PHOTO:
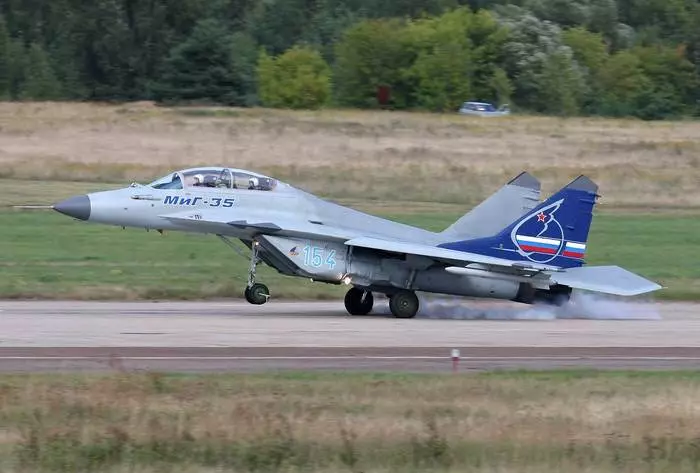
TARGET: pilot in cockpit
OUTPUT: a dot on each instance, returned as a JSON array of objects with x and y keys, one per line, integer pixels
[{"x": 201, "y": 180}]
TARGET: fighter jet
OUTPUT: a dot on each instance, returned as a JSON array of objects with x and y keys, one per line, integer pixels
[{"x": 511, "y": 246}]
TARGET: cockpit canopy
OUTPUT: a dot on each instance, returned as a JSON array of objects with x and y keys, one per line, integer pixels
[{"x": 223, "y": 178}]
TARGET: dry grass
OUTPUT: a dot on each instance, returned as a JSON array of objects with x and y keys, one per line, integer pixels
[
  {"x": 353, "y": 423},
  {"x": 351, "y": 154}
]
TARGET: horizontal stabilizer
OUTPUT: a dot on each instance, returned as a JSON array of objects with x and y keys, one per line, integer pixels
[{"x": 605, "y": 279}]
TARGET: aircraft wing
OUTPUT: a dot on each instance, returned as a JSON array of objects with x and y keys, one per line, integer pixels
[
  {"x": 225, "y": 222},
  {"x": 605, "y": 279}
]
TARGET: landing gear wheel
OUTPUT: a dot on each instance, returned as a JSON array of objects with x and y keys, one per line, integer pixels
[
  {"x": 257, "y": 294},
  {"x": 404, "y": 304},
  {"x": 358, "y": 301}
]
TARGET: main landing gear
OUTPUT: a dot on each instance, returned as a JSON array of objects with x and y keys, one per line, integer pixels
[
  {"x": 403, "y": 304},
  {"x": 255, "y": 292},
  {"x": 358, "y": 301}
]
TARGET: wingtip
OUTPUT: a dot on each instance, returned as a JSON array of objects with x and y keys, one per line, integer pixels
[
  {"x": 526, "y": 180},
  {"x": 583, "y": 183}
]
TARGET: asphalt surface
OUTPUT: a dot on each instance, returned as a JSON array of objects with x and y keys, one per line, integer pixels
[{"x": 234, "y": 336}]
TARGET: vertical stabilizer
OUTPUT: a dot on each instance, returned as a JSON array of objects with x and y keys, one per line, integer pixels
[
  {"x": 520, "y": 195},
  {"x": 555, "y": 232}
]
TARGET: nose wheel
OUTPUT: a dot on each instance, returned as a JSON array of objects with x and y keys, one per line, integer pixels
[{"x": 255, "y": 292}]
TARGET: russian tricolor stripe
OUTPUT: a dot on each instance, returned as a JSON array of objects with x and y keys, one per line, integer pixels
[
  {"x": 550, "y": 246},
  {"x": 538, "y": 244},
  {"x": 574, "y": 250}
]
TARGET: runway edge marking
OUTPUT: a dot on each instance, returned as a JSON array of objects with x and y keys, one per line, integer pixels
[{"x": 360, "y": 357}]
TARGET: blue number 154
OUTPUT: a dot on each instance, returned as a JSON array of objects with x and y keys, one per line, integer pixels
[{"x": 314, "y": 257}]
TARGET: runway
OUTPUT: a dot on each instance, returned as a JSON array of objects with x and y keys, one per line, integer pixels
[{"x": 235, "y": 336}]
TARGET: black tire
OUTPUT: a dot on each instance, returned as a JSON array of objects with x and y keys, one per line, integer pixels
[
  {"x": 257, "y": 294},
  {"x": 404, "y": 305},
  {"x": 354, "y": 303}
]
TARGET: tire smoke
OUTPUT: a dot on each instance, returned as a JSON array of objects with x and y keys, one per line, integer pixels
[{"x": 582, "y": 305}]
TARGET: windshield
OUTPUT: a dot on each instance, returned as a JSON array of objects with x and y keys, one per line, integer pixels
[
  {"x": 217, "y": 178},
  {"x": 168, "y": 182}
]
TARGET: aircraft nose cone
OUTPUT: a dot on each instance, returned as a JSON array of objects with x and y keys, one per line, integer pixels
[{"x": 77, "y": 207}]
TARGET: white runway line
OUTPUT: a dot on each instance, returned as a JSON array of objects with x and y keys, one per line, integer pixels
[{"x": 342, "y": 358}]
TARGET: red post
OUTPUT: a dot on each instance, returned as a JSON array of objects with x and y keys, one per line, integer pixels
[
  {"x": 455, "y": 360},
  {"x": 383, "y": 94}
]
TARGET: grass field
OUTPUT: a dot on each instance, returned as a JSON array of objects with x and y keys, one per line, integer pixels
[
  {"x": 507, "y": 422},
  {"x": 420, "y": 169},
  {"x": 352, "y": 154}
]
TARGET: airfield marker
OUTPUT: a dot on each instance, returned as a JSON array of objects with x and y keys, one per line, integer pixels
[{"x": 455, "y": 359}]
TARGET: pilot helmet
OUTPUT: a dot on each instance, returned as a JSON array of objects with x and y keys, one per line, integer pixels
[{"x": 198, "y": 178}]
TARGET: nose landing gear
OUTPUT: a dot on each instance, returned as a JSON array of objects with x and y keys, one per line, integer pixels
[{"x": 255, "y": 292}]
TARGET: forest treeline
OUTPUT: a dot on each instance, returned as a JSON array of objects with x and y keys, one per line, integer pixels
[{"x": 570, "y": 57}]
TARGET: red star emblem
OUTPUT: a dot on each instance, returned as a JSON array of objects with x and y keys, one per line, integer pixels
[{"x": 541, "y": 217}]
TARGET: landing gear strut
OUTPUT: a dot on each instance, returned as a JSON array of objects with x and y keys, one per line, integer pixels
[
  {"x": 404, "y": 304},
  {"x": 358, "y": 301},
  {"x": 255, "y": 293}
]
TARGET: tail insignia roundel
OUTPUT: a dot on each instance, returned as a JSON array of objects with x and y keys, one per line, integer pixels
[
  {"x": 554, "y": 232},
  {"x": 539, "y": 237}
]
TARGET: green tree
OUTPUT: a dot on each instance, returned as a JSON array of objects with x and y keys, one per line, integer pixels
[
  {"x": 673, "y": 82},
  {"x": 5, "y": 77},
  {"x": 244, "y": 57},
  {"x": 327, "y": 26},
  {"x": 565, "y": 13},
  {"x": 590, "y": 52},
  {"x": 660, "y": 20},
  {"x": 502, "y": 86},
  {"x": 560, "y": 85},
  {"x": 650, "y": 83},
  {"x": 546, "y": 78},
  {"x": 440, "y": 74},
  {"x": 40, "y": 81},
  {"x": 455, "y": 58},
  {"x": 488, "y": 39},
  {"x": 299, "y": 78},
  {"x": 371, "y": 54},
  {"x": 201, "y": 68},
  {"x": 17, "y": 66},
  {"x": 623, "y": 82},
  {"x": 589, "y": 48}
]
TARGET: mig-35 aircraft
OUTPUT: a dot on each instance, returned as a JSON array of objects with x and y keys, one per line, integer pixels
[{"x": 511, "y": 246}]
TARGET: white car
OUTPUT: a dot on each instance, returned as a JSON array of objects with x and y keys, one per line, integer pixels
[{"x": 483, "y": 109}]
